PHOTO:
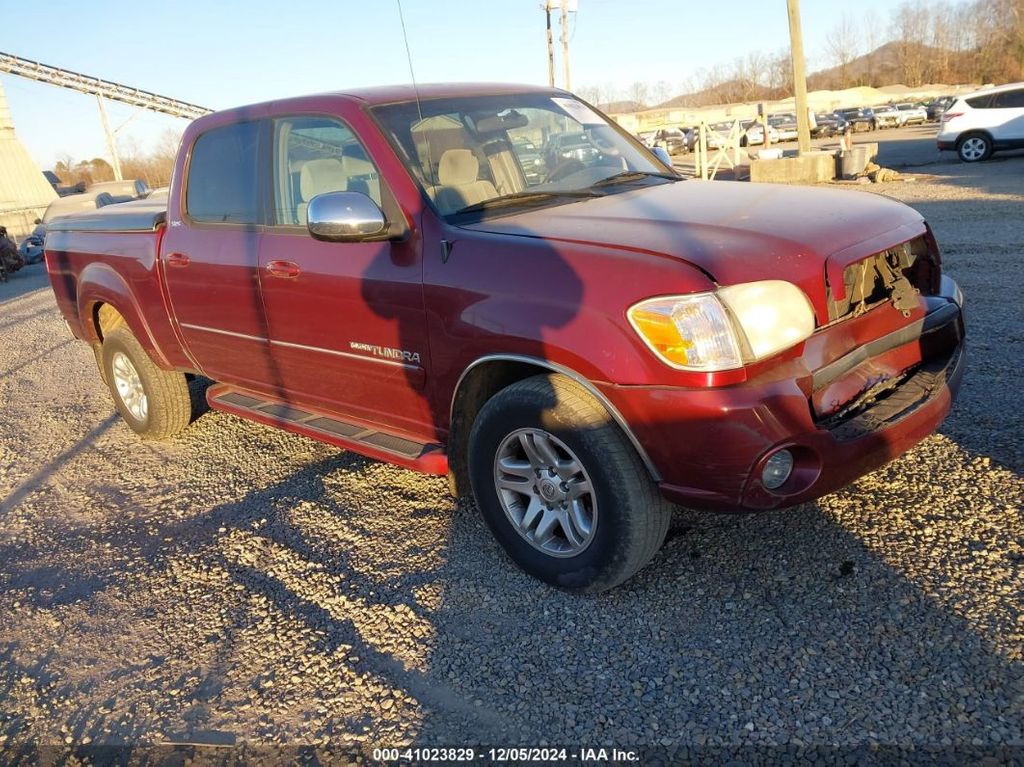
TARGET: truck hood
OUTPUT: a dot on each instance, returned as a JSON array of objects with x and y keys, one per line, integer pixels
[{"x": 734, "y": 232}]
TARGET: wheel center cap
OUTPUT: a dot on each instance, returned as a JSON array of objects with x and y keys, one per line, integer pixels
[{"x": 549, "y": 490}]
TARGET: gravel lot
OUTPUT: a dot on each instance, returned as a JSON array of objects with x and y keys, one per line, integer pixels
[{"x": 242, "y": 585}]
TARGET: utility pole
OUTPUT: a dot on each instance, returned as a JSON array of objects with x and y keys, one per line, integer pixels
[
  {"x": 551, "y": 45},
  {"x": 796, "y": 44},
  {"x": 565, "y": 42},
  {"x": 115, "y": 163}
]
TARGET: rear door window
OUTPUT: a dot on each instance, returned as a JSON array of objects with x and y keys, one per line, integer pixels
[{"x": 222, "y": 178}]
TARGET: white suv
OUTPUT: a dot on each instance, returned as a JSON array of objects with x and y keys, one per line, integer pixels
[{"x": 981, "y": 123}]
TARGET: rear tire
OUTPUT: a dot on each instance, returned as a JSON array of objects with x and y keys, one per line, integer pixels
[
  {"x": 155, "y": 403},
  {"x": 590, "y": 516},
  {"x": 974, "y": 147}
]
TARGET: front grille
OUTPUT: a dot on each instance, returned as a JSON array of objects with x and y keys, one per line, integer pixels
[{"x": 898, "y": 274}]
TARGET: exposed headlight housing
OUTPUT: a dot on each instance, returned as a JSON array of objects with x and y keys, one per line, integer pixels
[{"x": 725, "y": 329}]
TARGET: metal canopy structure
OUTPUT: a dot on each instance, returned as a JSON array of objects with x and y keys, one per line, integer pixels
[
  {"x": 24, "y": 192},
  {"x": 94, "y": 86}
]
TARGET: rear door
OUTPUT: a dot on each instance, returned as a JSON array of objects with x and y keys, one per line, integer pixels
[
  {"x": 210, "y": 258},
  {"x": 346, "y": 319}
]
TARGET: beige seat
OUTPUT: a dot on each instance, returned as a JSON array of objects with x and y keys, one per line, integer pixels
[
  {"x": 360, "y": 174},
  {"x": 458, "y": 185},
  {"x": 319, "y": 177}
]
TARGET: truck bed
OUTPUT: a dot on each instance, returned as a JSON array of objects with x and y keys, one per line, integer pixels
[
  {"x": 134, "y": 216},
  {"x": 112, "y": 255}
]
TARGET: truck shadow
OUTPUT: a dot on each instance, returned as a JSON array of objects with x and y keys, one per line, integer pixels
[{"x": 337, "y": 579}]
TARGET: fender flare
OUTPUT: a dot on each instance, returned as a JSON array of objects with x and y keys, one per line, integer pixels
[
  {"x": 554, "y": 367},
  {"x": 99, "y": 283}
]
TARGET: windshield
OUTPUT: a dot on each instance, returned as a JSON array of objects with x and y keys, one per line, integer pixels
[{"x": 495, "y": 151}]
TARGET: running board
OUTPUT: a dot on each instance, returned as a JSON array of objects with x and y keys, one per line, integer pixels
[{"x": 366, "y": 440}]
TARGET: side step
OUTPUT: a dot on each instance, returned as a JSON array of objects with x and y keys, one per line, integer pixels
[{"x": 368, "y": 441}]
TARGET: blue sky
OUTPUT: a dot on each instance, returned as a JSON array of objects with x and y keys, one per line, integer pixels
[{"x": 221, "y": 53}]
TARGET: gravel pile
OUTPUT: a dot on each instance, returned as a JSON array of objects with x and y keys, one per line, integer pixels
[{"x": 242, "y": 585}]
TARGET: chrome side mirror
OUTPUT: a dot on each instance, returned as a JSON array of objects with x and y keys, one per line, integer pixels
[{"x": 344, "y": 217}]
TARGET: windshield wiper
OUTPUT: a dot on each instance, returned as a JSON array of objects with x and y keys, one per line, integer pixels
[
  {"x": 521, "y": 197},
  {"x": 633, "y": 175}
]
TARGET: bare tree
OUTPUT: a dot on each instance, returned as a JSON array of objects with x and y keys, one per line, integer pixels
[
  {"x": 639, "y": 94},
  {"x": 780, "y": 74},
  {"x": 871, "y": 33},
  {"x": 843, "y": 44},
  {"x": 910, "y": 27},
  {"x": 662, "y": 92},
  {"x": 590, "y": 93}
]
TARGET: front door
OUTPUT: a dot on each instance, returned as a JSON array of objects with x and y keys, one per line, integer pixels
[
  {"x": 1005, "y": 113},
  {"x": 346, "y": 319}
]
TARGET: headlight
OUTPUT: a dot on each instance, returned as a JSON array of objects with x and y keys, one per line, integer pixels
[{"x": 725, "y": 329}]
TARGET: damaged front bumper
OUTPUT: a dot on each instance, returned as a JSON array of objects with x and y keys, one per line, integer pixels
[{"x": 841, "y": 414}]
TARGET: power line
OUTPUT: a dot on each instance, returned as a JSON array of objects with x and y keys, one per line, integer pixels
[{"x": 94, "y": 86}]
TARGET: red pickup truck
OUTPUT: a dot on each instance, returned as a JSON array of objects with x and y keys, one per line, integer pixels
[{"x": 580, "y": 342}]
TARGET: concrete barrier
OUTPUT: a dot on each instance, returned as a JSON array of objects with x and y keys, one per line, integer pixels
[{"x": 807, "y": 168}]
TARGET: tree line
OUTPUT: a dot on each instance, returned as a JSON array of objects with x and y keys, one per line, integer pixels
[
  {"x": 922, "y": 41},
  {"x": 153, "y": 166}
]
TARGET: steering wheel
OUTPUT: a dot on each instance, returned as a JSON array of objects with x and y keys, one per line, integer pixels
[{"x": 564, "y": 169}]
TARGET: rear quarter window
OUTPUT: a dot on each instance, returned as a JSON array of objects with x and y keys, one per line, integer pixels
[
  {"x": 980, "y": 102},
  {"x": 222, "y": 177}
]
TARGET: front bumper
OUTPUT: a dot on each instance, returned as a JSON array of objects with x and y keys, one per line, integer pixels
[{"x": 709, "y": 446}]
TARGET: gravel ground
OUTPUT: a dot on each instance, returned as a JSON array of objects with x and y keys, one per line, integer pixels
[{"x": 242, "y": 585}]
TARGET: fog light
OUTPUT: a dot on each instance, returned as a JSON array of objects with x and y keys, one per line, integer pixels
[{"x": 777, "y": 470}]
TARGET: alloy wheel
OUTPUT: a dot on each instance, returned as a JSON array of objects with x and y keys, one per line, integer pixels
[
  {"x": 545, "y": 492},
  {"x": 129, "y": 386}
]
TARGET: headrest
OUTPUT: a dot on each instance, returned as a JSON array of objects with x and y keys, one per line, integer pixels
[
  {"x": 457, "y": 167},
  {"x": 355, "y": 162},
  {"x": 319, "y": 176}
]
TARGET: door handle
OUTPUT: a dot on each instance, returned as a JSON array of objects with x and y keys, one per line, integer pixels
[
  {"x": 283, "y": 269},
  {"x": 177, "y": 259}
]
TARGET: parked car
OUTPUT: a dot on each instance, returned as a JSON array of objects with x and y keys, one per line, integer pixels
[
  {"x": 887, "y": 116},
  {"x": 690, "y": 134},
  {"x": 95, "y": 196},
  {"x": 860, "y": 119},
  {"x": 984, "y": 122},
  {"x": 530, "y": 160},
  {"x": 569, "y": 146},
  {"x": 785, "y": 125},
  {"x": 720, "y": 134},
  {"x": 826, "y": 125},
  {"x": 673, "y": 139},
  {"x": 131, "y": 188},
  {"x": 938, "y": 106},
  {"x": 754, "y": 135},
  {"x": 31, "y": 247},
  {"x": 577, "y": 354},
  {"x": 913, "y": 114}
]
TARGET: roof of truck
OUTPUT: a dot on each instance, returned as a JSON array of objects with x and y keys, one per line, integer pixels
[{"x": 390, "y": 94}]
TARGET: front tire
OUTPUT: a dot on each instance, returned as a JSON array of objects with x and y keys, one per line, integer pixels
[
  {"x": 562, "y": 488},
  {"x": 974, "y": 147},
  {"x": 155, "y": 403}
]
